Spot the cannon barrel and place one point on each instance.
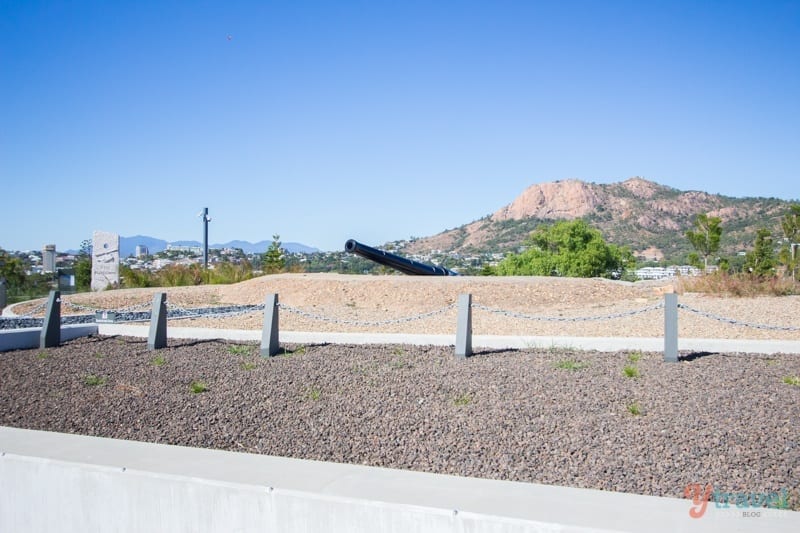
(406, 266)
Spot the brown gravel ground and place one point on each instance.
(726, 419)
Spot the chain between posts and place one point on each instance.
(514, 314)
(176, 313)
(735, 322)
(401, 320)
(129, 309)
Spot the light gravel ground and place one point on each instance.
(345, 300)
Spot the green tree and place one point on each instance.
(790, 251)
(12, 270)
(705, 236)
(274, 260)
(567, 248)
(761, 261)
(83, 266)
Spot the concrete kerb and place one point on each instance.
(496, 342)
(136, 486)
(15, 339)
(24, 338)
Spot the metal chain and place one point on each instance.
(129, 309)
(735, 322)
(514, 314)
(41, 307)
(177, 312)
(323, 318)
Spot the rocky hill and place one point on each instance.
(647, 217)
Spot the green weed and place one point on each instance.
(42, 355)
(792, 380)
(247, 365)
(313, 393)
(634, 408)
(93, 381)
(463, 399)
(158, 360)
(631, 371)
(239, 349)
(570, 364)
(198, 386)
(635, 357)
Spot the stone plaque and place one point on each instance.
(105, 260)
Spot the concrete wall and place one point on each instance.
(17, 339)
(60, 482)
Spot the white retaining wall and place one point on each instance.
(62, 482)
(23, 338)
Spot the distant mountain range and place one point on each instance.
(651, 219)
(127, 245)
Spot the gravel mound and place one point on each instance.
(545, 416)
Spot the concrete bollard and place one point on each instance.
(269, 334)
(671, 328)
(51, 329)
(464, 327)
(3, 294)
(157, 338)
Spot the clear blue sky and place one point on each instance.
(323, 121)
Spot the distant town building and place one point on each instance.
(197, 250)
(49, 258)
(141, 250)
(666, 272)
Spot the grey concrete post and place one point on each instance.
(671, 327)
(157, 338)
(464, 328)
(269, 333)
(51, 329)
(3, 294)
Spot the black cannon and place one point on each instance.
(406, 266)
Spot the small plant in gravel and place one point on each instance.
(570, 364)
(99, 355)
(239, 349)
(42, 355)
(399, 361)
(558, 349)
(248, 365)
(198, 386)
(635, 357)
(93, 381)
(634, 408)
(792, 380)
(158, 360)
(300, 350)
(313, 393)
(631, 371)
(463, 399)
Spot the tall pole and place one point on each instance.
(205, 237)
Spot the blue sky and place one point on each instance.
(323, 121)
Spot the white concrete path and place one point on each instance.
(603, 344)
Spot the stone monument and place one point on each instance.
(105, 260)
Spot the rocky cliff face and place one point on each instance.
(648, 217)
(561, 199)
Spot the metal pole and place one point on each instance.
(671, 327)
(464, 327)
(205, 237)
